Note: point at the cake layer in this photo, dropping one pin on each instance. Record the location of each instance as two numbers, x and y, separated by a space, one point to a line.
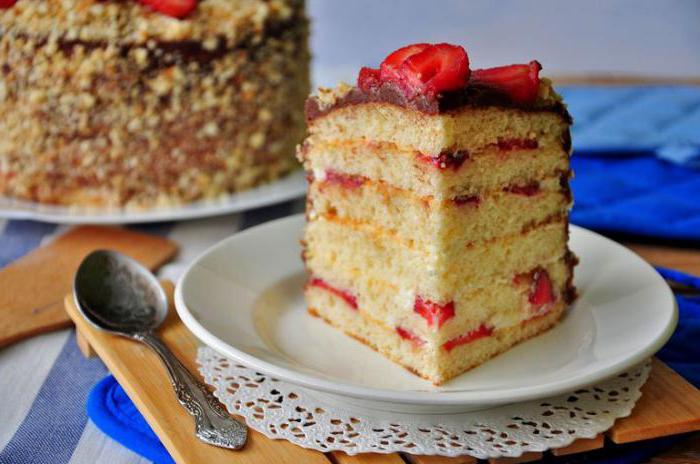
436 364
423 220
490 168
502 304
437 271
463 129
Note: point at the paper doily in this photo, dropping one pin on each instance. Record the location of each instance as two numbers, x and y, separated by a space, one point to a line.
282 410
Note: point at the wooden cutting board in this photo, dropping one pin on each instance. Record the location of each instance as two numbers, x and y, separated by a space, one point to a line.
32 288
669 405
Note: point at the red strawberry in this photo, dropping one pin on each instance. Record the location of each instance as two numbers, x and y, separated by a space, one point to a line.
541 292
173 8
438 68
367 79
482 331
410 336
389 68
7 3
349 298
434 313
520 81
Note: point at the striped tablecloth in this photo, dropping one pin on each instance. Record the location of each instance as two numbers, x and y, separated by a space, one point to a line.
44 381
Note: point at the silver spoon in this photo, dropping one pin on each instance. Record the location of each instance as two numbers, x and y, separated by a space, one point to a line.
117 294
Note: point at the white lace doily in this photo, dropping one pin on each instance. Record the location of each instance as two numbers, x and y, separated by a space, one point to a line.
281 410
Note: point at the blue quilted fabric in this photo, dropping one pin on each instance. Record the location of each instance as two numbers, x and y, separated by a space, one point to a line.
637 159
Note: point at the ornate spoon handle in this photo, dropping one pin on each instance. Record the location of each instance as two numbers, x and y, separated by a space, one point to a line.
213 424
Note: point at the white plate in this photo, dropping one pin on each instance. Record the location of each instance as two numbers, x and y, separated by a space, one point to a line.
243 297
287 188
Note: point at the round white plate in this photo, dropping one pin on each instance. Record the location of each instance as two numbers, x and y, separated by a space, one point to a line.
243 297
287 188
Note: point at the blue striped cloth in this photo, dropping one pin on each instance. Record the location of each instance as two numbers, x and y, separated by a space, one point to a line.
45 381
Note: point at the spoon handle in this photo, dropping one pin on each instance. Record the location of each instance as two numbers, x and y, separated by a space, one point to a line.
213 424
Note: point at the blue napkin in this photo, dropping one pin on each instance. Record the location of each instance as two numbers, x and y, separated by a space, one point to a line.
637 160
112 411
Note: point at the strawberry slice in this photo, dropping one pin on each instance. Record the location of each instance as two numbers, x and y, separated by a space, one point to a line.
482 331
521 82
174 8
434 313
541 293
348 297
438 68
420 69
4 4
410 336
389 69
367 79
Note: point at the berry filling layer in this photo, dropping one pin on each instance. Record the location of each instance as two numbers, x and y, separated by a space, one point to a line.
540 292
482 331
446 160
517 144
436 314
348 297
528 190
410 336
345 180
472 200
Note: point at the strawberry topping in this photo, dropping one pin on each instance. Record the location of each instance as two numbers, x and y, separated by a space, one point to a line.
174 8
7 3
410 336
521 82
420 69
541 293
438 68
367 79
482 331
348 297
389 69
434 313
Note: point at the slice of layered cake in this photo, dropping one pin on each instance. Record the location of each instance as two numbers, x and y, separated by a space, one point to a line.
438 208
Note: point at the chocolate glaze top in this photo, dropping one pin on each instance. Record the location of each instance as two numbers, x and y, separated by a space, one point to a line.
474 95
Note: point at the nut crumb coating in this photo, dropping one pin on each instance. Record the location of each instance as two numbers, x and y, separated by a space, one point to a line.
108 121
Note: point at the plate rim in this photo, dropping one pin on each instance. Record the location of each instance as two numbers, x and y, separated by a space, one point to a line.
426 398
228 204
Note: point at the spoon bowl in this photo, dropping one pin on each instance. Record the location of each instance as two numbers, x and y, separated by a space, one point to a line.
117 294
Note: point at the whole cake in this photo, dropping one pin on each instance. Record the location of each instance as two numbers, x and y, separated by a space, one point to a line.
437 214
159 102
